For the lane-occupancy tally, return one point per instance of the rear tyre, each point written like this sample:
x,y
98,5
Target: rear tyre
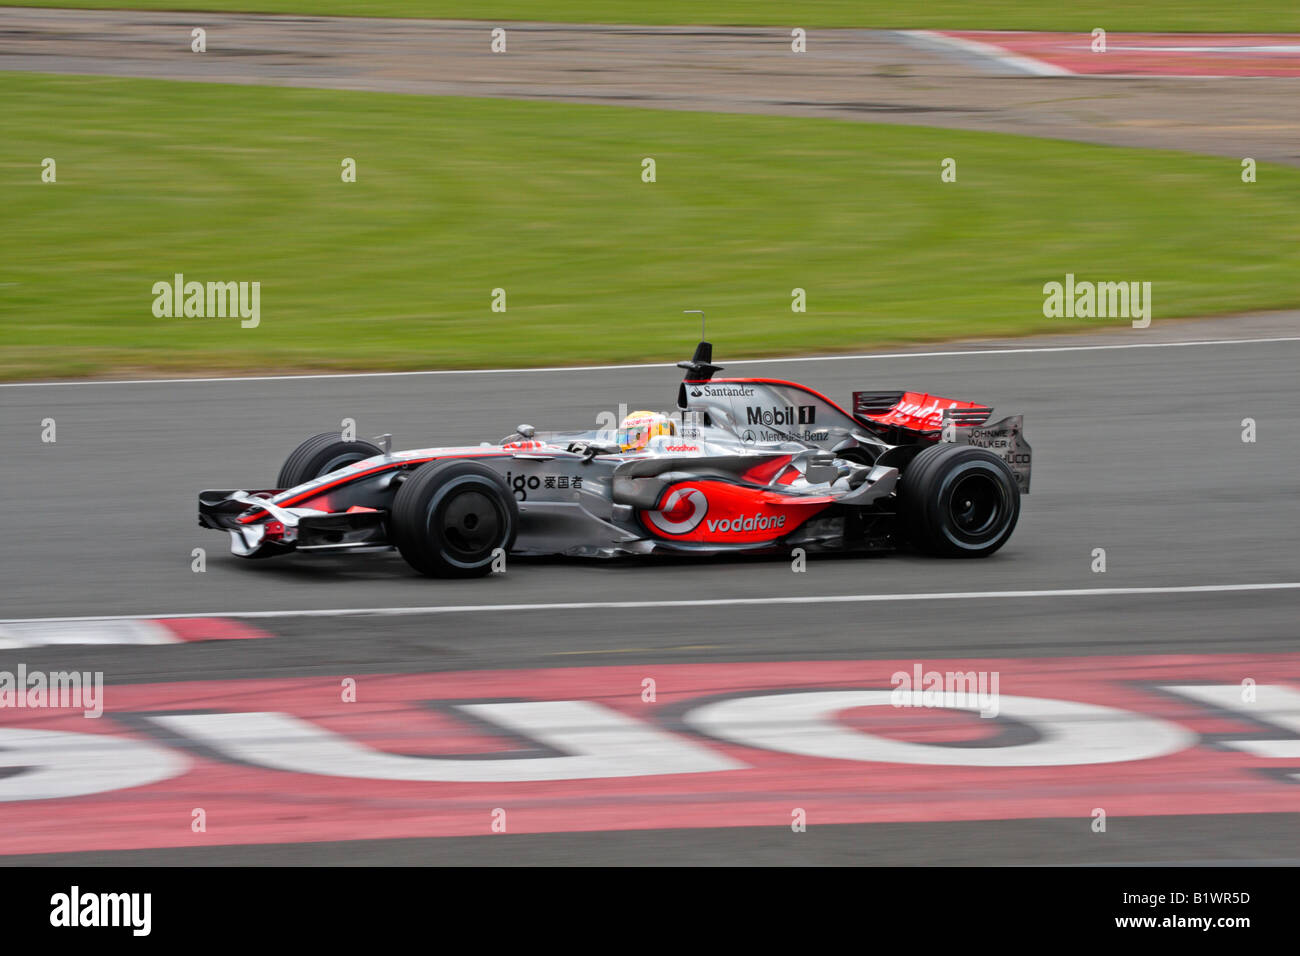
x,y
449,518
958,501
321,454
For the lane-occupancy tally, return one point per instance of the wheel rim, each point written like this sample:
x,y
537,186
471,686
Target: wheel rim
x,y
469,524
976,505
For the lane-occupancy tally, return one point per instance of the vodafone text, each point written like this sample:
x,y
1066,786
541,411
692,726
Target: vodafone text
x,y
747,523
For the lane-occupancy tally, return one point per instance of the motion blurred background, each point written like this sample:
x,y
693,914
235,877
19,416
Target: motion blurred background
x,y
519,178
773,171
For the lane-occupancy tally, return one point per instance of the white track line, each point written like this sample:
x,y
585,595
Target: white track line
x,y
989,51
600,368
701,602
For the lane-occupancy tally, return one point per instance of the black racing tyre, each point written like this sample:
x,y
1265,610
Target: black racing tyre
x,y
321,454
958,501
449,517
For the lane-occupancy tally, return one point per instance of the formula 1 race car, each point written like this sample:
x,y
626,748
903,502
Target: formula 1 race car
x,y
742,465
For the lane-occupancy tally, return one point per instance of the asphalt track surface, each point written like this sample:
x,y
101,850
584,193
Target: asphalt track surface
x,y
864,75
1137,450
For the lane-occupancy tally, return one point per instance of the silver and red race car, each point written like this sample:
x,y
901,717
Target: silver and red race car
x,y
748,465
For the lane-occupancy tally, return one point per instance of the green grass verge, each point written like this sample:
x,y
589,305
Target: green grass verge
x,y
456,197
1171,15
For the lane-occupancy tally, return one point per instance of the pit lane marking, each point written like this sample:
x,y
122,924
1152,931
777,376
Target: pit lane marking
x,y
741,740
699,602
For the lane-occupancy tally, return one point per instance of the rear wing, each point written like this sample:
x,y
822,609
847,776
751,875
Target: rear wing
x,y
917,411
929,417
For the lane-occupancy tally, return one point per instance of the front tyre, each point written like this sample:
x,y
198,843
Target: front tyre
x,y
321,454
450,517
958,501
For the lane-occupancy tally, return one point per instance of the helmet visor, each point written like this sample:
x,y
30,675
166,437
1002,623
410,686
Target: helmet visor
x,y
635,435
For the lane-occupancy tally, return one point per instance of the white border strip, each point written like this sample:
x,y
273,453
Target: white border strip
x,y
701,602
600,368
56,632
989,51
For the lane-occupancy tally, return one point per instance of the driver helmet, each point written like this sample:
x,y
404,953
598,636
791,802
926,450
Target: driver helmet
x,y
638,428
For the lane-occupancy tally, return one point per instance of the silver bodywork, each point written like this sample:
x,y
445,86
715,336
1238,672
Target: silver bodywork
x,y
578,495
568,503
762,411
